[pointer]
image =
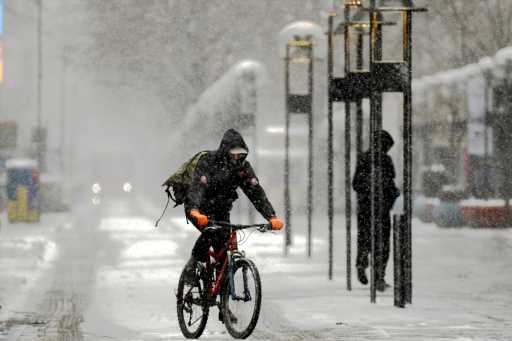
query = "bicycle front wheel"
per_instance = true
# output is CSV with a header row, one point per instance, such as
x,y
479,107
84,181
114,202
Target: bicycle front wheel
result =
x,y
241,299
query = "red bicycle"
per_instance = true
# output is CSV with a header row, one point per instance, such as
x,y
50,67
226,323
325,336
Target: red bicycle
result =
x,y
229,275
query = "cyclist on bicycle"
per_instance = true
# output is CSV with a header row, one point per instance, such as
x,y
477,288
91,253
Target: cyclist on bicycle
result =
x,y
212,192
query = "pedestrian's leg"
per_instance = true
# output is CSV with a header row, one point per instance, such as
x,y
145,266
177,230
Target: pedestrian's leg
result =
x,y
386,234
363,246
363,240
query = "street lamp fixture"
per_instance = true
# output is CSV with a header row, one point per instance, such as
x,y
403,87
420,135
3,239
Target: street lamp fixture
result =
x,y
354,3
301,42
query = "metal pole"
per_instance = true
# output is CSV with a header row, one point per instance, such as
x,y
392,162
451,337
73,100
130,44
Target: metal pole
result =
x,y
486,135
397,261
288,232
330,204
408,152
310,151
359,110
63,115
39,134
373,28
379,239
348,191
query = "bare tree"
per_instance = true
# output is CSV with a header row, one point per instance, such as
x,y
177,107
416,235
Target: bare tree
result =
x,y
457,32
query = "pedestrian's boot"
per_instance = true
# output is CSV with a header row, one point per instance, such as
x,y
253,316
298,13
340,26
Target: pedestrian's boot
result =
x,y
361,275
381,285
189,272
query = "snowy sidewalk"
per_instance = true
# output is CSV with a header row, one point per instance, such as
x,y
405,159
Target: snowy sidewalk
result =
x,y
461,286
27,253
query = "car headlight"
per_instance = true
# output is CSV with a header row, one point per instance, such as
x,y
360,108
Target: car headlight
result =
x,y
127,187
96,188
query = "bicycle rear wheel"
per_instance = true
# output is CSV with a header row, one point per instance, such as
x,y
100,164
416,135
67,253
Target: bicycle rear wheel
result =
x,y
241,299
192,307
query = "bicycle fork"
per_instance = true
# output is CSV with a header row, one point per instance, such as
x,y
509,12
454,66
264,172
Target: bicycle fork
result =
x,y
232,291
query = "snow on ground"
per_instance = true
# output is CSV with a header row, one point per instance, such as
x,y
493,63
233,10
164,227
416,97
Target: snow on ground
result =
x,y
27,252
109,274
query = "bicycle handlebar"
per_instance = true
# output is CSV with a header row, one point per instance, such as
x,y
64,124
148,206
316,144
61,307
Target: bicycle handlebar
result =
x,y
225,224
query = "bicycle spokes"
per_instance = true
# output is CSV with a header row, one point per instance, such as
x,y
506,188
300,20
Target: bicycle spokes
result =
x,y
241,303
192,308
247,292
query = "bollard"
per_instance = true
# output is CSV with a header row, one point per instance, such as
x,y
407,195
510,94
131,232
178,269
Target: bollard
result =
x,y
407,262
399,292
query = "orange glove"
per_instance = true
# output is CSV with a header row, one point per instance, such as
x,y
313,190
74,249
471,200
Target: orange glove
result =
x,y
276,223
200,219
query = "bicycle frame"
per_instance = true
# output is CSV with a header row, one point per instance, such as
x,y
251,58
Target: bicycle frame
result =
x,y
224,254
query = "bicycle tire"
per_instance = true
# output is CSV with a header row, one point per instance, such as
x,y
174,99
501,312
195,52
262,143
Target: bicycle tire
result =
x,y
181,305
231,326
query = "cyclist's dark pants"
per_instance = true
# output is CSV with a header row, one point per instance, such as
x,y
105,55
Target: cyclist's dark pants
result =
x,y
364,241
217,239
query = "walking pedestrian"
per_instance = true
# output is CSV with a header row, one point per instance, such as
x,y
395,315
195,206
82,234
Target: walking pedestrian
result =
x,y
362,185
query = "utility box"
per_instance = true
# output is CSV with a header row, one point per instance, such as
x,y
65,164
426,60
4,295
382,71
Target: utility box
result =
x,y
23,204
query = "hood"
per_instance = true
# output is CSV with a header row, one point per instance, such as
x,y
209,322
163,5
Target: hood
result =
x,y
386,140
231,139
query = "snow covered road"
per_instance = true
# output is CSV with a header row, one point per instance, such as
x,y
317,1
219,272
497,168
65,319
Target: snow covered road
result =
x,y
106,273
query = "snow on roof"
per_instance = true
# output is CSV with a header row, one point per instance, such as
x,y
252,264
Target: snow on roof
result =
x,y
303,30
226,86
215,105
21,163
472,202
248,66
461,74
471,70
503,55
486,63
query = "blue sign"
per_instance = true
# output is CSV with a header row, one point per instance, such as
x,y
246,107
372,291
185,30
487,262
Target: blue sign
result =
x,y
1,17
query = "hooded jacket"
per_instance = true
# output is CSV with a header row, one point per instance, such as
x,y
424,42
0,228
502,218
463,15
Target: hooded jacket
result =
x,y
215,181
362,177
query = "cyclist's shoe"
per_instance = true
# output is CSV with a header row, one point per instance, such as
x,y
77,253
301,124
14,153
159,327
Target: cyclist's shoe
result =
x,y
232,317
361,275
381,285
189,272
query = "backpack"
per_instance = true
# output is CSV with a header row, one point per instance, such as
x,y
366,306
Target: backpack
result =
x,y
181,179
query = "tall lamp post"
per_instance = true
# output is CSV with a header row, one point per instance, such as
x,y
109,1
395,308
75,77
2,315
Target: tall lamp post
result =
x,y
352,88
301,42
393,76
382,76
40,134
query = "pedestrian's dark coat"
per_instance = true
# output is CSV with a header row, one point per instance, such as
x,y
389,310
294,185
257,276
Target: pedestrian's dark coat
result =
x,y
362,178
362,185
214,184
